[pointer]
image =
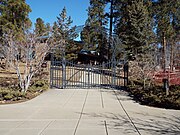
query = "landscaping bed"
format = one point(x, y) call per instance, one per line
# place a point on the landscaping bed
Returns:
point(13, 94)
point(156, 96)
point(10, 91)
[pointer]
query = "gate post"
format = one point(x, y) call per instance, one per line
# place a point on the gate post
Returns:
point(126, 70)
point(52, 70)
point(88, 76)
point(51, 74)
point(63, 73)
point(113, 70)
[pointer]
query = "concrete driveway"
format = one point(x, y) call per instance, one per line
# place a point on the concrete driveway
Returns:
point(86, 112)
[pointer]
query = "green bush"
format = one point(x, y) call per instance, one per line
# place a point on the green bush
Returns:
point(39, 85)
point(155, 95)
point(14, 94)
point(8, 96)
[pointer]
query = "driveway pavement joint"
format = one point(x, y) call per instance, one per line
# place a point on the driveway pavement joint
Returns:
point(86, 112)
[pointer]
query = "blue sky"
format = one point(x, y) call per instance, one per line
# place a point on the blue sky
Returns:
point(48, 10)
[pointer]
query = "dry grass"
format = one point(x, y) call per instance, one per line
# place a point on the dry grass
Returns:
point(9, 76)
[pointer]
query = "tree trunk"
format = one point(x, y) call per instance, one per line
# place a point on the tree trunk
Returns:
point(110, 28)
point(25, 85)
point(7, 65)
point(165, 83)
point(172, 57)
point(164, 54)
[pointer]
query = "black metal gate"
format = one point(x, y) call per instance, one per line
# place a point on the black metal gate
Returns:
point(65, 74)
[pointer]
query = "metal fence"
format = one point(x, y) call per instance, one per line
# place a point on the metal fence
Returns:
point(65, 74)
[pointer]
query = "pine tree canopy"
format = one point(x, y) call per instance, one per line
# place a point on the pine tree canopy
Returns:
point(134, 25)
point(40, 27)
point(94, 33)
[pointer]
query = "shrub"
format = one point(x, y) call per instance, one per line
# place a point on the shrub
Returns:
point(39, 85)
point(8, 96)
point(14, 93)
point(155, 95)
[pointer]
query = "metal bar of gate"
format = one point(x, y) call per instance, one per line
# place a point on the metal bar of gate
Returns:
point(88, 76)
point(91, 71)
point(51, 77)
point(69, 75)
point(71, 66)
point(55, 75)
point(81, 79)
point(58, 77)
point(101, 74)
point(84, 77)
point(81, 76)
point(83, 71)
point(72, 70)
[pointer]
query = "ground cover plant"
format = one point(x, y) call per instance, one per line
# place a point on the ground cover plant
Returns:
point(13, 94)
point(155, 95)
point(10, 92)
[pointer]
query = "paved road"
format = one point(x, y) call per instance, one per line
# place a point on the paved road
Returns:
point(86, 112)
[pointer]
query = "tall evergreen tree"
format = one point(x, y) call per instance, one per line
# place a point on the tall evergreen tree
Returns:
point(40, 27)
point(113, 14)
point(64, 23)
point(55, 33)
point(94, 33)
point(63, 30)
point(2, 19)
point(167, 17)
point(14, 15)
point(134, 25)
point(86, 38)
point(48, 28)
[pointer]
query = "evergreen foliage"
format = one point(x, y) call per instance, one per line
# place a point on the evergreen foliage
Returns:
point(62, 29)
point(14, 15)
point(94, 33)
point(134, 26)
point(167, 17)
point(40, 27)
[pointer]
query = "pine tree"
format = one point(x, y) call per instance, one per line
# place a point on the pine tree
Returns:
point(55, 33)
point(63, 30)
point(167, 17)
point(134, 26)
point(64, 23)
point(14, 15)
point(113, 14)
point(86, 38)
point(94, 33)
point(40, 27)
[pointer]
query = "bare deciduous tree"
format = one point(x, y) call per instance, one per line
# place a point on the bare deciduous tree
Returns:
point(27, 55)
point(143, 67)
